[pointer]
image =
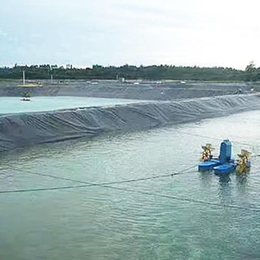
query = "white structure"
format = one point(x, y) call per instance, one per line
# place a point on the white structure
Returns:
point(23, 77)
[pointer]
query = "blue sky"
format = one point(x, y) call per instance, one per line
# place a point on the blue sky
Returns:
point(139, 32)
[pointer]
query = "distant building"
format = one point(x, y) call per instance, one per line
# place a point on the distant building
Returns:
point(68, 66)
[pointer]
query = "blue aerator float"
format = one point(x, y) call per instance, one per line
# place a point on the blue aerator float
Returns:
point(224, 164)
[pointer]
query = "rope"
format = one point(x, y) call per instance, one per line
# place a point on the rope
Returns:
point(210, 137)
point(96, 184)
point(106, 185)
point(144, 193)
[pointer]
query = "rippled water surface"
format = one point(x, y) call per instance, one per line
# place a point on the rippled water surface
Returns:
point(187, 216)
point(11, 105)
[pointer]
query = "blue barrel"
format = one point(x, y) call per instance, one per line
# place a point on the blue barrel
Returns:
point(225, 151)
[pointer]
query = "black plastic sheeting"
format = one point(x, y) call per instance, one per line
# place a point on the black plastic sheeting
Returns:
point(36, 128)
point(111, 89)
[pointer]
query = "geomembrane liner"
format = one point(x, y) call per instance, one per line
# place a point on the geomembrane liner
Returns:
point(42, 127)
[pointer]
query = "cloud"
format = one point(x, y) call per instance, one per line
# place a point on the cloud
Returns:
point(181, 32)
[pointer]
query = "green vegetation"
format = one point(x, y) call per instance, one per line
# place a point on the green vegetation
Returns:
point(162, 72)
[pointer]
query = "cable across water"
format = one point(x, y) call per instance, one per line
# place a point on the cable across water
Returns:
point(108, 186)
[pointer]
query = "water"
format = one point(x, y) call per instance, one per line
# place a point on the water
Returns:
point(11, 105)
point(179, 217)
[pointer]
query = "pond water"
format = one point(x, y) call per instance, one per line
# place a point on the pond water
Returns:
point(12, 105)
point(51, 211)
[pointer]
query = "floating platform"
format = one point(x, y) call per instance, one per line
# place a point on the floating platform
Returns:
point(208, 165)
point(224, 168)
point(25, 99)
point(223, 164)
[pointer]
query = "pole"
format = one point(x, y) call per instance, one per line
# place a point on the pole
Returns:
point(23, 77)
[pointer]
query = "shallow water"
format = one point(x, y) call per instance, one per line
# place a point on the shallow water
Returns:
point(179, 217)
point(11, 105)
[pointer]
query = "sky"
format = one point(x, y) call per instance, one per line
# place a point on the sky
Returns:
point(203, 33)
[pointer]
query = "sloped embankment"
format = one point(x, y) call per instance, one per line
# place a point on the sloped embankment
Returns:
point(29, 129)
point(148, 91)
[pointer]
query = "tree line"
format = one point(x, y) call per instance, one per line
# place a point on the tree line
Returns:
point(154, 72)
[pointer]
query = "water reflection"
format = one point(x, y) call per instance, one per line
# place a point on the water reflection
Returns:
point(206, 178)
point(225, 189)
point(242, 183)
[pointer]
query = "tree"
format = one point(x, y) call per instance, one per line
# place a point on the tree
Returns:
point(251, 72)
